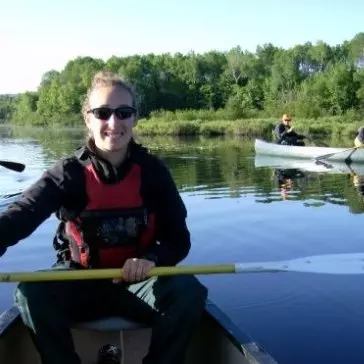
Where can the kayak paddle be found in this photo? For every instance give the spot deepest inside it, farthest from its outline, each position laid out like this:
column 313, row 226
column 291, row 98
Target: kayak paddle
column 14, row 166
column 352, row 263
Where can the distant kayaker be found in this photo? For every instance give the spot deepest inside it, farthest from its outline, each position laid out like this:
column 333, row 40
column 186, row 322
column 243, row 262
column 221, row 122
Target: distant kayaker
column 359, row 138
column 285, row 134
column 118, row 207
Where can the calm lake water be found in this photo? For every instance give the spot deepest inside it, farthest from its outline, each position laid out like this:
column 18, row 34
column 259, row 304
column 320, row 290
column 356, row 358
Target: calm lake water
column 237, row 213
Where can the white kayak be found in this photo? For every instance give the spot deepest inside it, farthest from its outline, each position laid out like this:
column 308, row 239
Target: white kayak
column 216, row 341
column 309, row 152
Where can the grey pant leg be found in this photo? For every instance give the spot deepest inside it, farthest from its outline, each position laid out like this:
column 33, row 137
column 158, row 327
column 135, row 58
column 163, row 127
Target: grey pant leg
column 177, row 302
column 49, row 308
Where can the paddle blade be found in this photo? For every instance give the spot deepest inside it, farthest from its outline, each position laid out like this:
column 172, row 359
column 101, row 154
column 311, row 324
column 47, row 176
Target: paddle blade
column 352, row 263
column 14, row 166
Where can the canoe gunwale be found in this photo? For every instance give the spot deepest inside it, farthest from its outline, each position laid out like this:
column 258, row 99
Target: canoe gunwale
column 253, row 351
column 8, row 318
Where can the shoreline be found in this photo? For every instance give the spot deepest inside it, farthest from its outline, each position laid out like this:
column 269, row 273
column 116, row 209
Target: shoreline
column 334, row 126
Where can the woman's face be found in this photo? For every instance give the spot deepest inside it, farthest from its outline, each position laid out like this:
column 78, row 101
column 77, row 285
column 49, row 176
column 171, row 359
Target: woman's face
column 287, row 122
column 111, row 118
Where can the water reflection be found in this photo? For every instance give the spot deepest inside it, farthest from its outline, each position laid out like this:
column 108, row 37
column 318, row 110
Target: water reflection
column 317, row 182
column 287, row 180
column 358, row 182
column 215, row 168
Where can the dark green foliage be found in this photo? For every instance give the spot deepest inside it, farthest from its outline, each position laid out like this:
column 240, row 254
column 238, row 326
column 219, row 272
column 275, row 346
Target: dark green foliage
column 308, row 81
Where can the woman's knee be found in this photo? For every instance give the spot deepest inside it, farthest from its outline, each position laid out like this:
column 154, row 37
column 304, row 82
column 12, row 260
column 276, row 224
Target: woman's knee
column 190, row 289
column 30, row 294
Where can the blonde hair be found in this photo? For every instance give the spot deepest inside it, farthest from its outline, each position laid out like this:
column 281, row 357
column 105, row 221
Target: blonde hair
column 107, row 79
column 286, row 117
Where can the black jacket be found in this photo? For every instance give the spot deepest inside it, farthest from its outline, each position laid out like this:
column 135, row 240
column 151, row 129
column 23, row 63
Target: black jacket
column 61, row 190
column 281, row 134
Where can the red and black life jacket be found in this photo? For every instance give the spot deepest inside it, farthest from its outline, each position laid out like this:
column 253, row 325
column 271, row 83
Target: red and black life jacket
column 114, row 225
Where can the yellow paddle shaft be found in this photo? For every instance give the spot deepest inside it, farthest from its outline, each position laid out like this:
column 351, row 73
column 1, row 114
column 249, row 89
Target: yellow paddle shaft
column 62, row 275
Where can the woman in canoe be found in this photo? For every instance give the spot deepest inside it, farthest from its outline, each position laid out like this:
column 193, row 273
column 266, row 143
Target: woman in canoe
column 118, row 206
column 285, row 133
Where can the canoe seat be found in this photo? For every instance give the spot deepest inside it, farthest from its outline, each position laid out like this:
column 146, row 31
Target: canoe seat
column 113, row 323
column 132, row 337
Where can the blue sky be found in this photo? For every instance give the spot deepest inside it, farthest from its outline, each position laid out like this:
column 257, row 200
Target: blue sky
column 39, row 35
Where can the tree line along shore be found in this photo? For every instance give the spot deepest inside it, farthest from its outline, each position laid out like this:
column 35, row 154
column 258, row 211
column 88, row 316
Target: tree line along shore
column 236, row 92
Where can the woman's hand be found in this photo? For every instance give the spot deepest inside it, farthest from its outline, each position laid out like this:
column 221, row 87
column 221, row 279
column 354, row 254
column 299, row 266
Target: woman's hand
column 135, row 270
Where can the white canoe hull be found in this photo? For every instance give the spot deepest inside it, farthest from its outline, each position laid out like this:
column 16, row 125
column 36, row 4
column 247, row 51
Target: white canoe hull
column 217, row 341
column 308, row 165
column 308, row 152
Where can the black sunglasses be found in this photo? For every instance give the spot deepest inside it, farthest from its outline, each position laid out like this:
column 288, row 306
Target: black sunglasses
column 104, row 113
